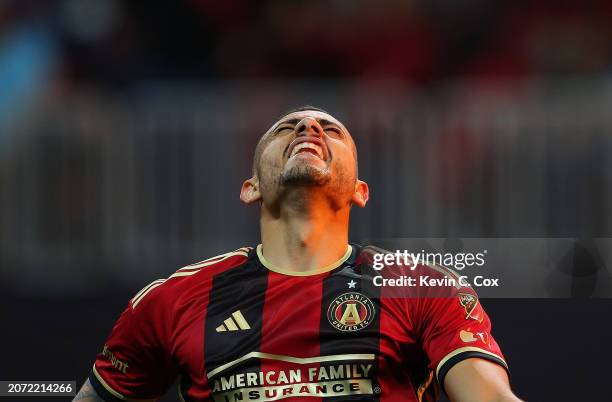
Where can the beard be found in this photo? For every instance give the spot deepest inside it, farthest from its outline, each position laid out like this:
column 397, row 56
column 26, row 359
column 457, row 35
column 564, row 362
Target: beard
column 305, row 175
column 279, row 183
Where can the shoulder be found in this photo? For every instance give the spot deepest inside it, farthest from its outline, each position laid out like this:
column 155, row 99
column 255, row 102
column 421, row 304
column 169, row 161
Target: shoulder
column 366, row 254
column 429, row 277
column 188, row 278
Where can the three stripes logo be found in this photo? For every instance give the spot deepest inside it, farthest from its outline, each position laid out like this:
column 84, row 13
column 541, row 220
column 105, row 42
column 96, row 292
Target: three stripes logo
column 235, row 322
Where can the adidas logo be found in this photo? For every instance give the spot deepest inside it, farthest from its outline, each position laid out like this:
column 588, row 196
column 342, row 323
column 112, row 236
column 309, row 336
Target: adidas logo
column 235, row 322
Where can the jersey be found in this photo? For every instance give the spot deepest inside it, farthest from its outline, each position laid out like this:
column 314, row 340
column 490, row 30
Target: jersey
column 237, row 328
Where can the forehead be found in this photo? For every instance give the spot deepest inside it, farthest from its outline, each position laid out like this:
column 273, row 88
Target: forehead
column 315, row 114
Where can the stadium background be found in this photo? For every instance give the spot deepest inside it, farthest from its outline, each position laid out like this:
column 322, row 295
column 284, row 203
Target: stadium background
column 126, row 130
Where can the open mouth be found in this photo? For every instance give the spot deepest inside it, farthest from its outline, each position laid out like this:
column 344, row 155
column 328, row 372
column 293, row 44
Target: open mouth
column 307, row 147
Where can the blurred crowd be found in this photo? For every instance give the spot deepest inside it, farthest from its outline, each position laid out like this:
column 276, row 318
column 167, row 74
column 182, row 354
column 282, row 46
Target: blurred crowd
column 111, row 42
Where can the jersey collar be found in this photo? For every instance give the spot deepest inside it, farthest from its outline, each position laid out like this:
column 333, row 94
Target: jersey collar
column 274, row 268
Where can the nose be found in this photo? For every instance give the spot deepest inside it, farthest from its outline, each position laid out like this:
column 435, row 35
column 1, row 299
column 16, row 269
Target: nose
column 309, row 126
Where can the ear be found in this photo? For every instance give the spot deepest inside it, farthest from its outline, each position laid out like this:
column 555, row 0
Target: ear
column 249, row 192
column 361, row 194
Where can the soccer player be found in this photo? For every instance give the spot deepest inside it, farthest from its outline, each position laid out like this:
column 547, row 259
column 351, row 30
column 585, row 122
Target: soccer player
column 297, row 317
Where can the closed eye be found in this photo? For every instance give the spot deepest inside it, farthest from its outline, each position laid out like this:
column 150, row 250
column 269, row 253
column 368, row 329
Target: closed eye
column 283, row 129
column 335, row 131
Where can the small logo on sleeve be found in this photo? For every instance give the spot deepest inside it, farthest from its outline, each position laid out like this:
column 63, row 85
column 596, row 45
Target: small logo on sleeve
column 350, row 311
column 469, row 303
column 469, row 337
column 236, row 322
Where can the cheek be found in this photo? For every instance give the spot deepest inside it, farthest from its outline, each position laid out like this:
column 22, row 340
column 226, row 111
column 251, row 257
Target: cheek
column 343, row 158
column 271, row 156
column 271, row 160
column 344, row 166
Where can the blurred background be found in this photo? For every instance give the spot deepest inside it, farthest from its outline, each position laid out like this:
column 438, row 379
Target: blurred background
column 127, row 128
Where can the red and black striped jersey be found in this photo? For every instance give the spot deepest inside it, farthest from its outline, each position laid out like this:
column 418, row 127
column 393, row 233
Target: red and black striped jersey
column 236, row 328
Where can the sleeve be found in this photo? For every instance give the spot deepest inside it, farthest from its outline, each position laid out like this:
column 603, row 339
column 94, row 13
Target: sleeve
column 455, row 327
column 134, row 363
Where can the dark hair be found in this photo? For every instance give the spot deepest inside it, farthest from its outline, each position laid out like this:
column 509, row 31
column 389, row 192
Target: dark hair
column 303, row 108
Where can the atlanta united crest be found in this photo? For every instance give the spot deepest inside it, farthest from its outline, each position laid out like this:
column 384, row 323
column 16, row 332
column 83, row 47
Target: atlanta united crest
column 351, row 311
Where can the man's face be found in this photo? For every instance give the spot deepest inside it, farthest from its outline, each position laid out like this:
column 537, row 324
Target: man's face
column 306, row 148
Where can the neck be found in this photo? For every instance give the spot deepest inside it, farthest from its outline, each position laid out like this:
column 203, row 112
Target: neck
column 306, row 235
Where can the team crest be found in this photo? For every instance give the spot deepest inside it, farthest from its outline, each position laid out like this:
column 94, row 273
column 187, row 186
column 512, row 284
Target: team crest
column 469, row 303
column 351, row 311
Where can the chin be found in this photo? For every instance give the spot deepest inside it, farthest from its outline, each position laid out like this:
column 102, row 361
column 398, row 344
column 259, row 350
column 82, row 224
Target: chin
column 304, row 175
